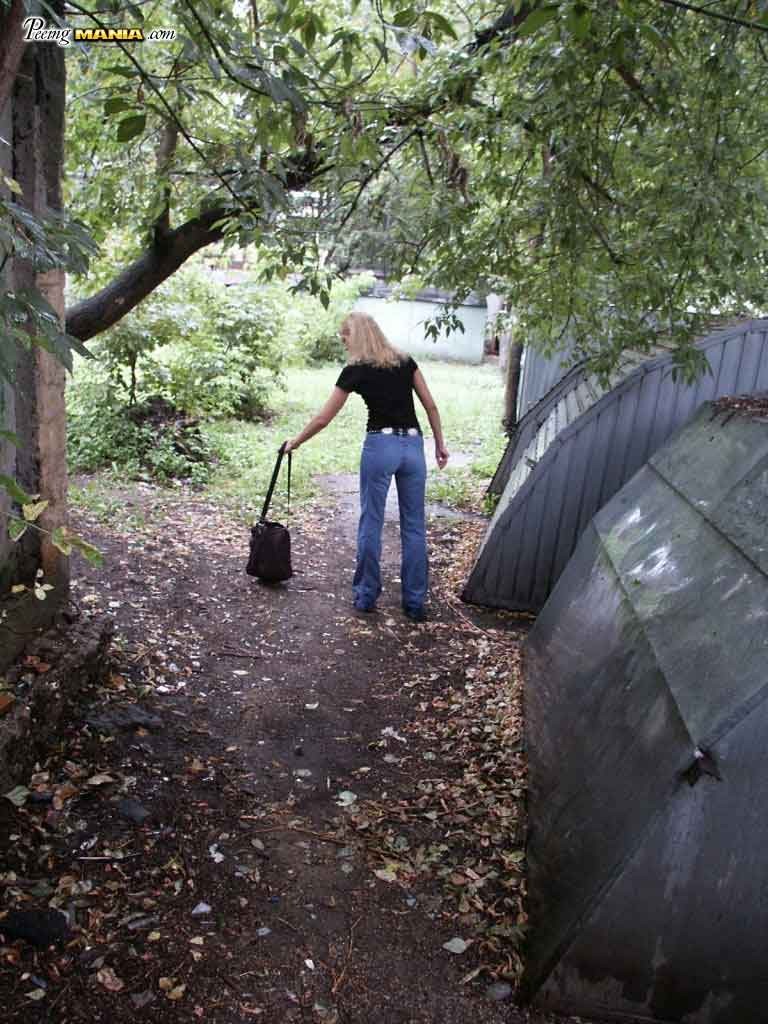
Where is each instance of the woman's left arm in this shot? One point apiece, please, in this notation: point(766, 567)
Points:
point(321, 420)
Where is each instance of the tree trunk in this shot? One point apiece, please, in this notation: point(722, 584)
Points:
point(37, 138)
point(512, 385)
point(11, 47)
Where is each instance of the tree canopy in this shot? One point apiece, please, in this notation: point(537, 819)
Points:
point(601, 163)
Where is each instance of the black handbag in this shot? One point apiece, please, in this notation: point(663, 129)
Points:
point(270, 554)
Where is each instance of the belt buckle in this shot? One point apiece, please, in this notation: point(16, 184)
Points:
point(387, 430)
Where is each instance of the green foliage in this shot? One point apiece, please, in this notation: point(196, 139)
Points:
point(105, 433)
point(600, 166)
point(311, 328)
point(208, 349)
point(46, 243)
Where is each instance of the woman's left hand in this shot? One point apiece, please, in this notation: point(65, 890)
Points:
point(290, 446)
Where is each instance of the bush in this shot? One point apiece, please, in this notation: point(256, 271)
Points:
point(147, 441)
point(311, 332)
point(208, 349)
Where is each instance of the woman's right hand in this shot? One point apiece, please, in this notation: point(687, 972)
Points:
point(441, 455)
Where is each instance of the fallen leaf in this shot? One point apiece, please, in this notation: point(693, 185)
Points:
point(99, 780)
point(456, 945)
point(17, 795)
point(107, 977)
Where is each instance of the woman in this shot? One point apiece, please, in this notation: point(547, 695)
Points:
point(385, 379)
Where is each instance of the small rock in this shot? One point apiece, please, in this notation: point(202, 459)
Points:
point(40, 928)
point(263, 932)
point(200, 909)
point(133, 811)
point(499, 991)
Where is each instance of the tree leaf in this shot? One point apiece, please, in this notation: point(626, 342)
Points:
point(579, 21)
point(536, 19)
point(18, 795)
point(116, 104)
point(33, 510)
point(405, 17)
point(441, 22)
point(456, 945)
point(17, 493)
point(130, 127)
point(16, 529)
point(60, 540)
point(13, 185)
point(88, 551)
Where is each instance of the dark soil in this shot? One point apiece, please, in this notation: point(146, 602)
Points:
point(192, 823)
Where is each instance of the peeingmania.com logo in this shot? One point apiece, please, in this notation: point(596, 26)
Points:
point(37, 31)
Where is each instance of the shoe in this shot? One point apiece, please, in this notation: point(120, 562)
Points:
point(367, 608)
point(415, 614)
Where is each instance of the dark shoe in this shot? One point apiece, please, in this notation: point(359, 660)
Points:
point(364, 607)
point(415, 614)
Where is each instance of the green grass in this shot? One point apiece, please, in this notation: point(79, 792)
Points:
point(470, 399)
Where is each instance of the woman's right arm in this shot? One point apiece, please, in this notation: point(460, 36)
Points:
point(433, 415)
point(321, 421)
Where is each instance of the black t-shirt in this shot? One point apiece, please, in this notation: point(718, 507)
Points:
point(386, 390)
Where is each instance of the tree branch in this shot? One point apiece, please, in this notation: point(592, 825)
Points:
point(504, 25)
point(165, 152)
point(729, 18)
point(164, 257)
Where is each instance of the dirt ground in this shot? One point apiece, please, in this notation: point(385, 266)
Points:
point(279, 809)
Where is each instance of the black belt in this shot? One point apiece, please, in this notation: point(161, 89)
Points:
point(398, 431)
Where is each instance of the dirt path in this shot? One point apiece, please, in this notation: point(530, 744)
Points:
point(330, 797)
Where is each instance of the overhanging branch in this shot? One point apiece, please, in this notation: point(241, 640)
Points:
point(164, 257)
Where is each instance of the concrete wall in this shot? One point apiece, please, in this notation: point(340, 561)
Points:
point(403, 322)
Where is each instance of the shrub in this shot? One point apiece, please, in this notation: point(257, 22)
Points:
point(145, 441)
point(311, 331)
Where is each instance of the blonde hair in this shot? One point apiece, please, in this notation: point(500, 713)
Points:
point(367, 343)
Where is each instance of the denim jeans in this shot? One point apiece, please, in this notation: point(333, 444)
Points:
point(385, 456)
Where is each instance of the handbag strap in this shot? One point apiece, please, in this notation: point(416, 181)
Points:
point(273, 481)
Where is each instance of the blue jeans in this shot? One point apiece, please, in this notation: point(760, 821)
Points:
point(385, 456)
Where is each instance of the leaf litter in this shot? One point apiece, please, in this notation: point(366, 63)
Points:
point(148, 900)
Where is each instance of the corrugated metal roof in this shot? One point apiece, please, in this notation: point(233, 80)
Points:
point(575, 390)
point(572, 462)
point(646, 715)
point(539, 374)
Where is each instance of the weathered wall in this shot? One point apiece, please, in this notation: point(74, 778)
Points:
point(403, 323)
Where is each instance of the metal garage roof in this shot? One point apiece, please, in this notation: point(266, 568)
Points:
point(646, 693)
point(582, 450)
